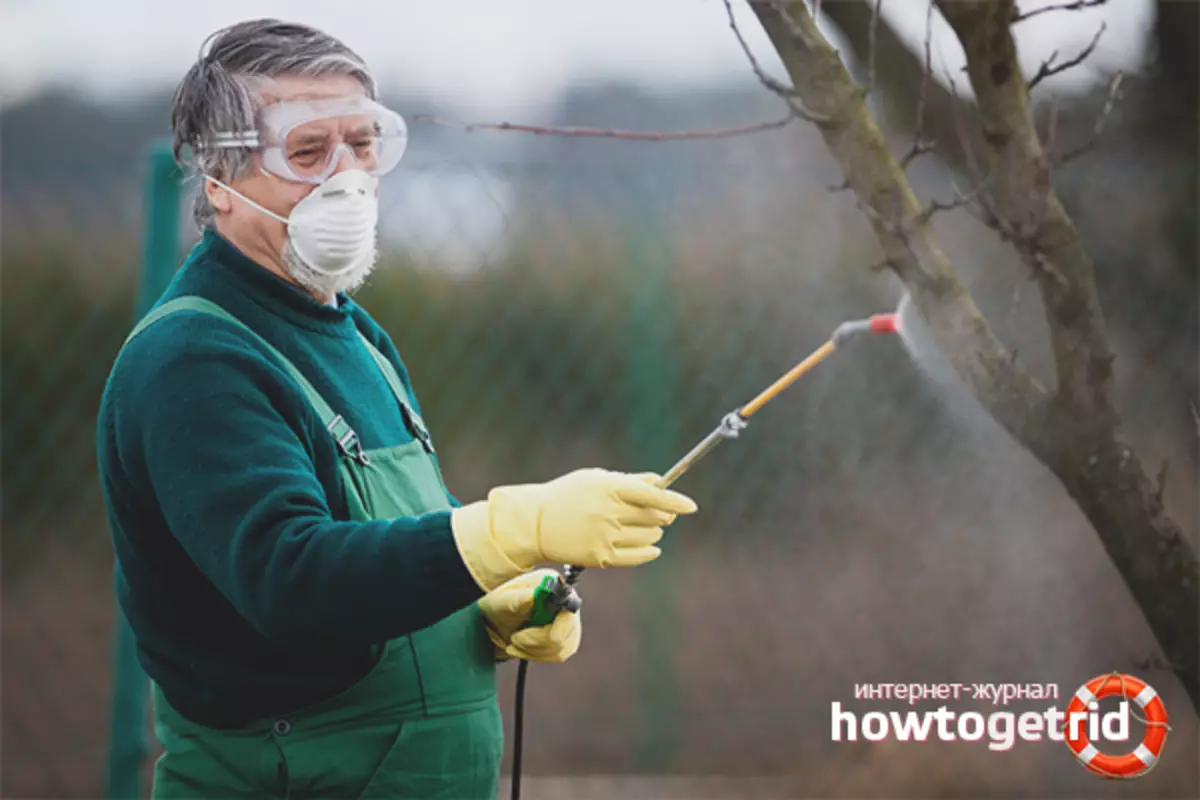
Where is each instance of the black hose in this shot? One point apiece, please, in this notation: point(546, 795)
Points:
point(519, 729)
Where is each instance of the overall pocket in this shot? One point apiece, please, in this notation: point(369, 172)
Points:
point(450, 757)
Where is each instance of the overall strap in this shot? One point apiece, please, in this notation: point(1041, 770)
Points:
point(415, 423)
point(343, 434)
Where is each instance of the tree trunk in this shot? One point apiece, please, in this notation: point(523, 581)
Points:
point(1074, 429)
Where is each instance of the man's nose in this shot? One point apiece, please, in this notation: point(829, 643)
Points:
point(345, 159)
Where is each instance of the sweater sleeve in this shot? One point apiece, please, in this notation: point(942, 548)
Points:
point(226, 444)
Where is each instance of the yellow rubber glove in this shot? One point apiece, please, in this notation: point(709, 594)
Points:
point(590, 517)
point(506, 609)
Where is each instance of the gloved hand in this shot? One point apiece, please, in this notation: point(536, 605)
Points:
point(506, 609)
point(590, 517)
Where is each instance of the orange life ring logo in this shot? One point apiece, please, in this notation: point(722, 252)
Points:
point(1079, 714)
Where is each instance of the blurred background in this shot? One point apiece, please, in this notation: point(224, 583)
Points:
point(565, 302)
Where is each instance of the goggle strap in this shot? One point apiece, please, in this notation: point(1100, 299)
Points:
point(233, 139)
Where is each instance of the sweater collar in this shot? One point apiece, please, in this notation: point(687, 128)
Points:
point(273, 293)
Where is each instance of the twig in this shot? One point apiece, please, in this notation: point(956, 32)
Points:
point(920, 143)
point(872, 32)
point(771, 83)
point(840, 187)
point(793, 26)
point(1015, 303)
point(1078, 5)
point(1046, 70)
point(778, 87)
point(1114, 94)
point(893, 223)
point(960, 127)
point(919, 148)
point(1161, 480)
point(960, 200)
point(1041, 264)
point(610, 133)
point(1052, 126)
point(1196, 419)
point(986, 213)
point(888, 225)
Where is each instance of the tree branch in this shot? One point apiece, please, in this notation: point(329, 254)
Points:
point(1114, 94)
point(611, 133)
point(1025, 203)
point(910, 250)
point(902, 83)
point(1078, 5)
point(1081, 444)
point(920, 143)
point(872, 36)
point(1161, 481)
point(960, 200)
point(786, 92)
point(1046, 70)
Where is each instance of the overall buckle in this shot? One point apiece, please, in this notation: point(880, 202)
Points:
point(347, 442)
point(417, 425)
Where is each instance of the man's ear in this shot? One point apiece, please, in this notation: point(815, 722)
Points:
point(218, 197)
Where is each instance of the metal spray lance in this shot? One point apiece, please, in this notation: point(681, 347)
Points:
point(555, 594)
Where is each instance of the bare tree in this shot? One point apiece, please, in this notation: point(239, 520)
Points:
point(1071, 427)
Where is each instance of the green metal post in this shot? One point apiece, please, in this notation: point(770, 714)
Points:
point(160, 254)
point(653, 439)
point(127, 749)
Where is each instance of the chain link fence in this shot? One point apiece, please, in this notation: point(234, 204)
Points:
point(870, 526)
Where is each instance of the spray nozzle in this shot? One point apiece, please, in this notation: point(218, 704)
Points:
point(880, 323)
point(885, 323)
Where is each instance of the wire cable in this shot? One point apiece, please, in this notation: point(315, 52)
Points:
point(519, 729)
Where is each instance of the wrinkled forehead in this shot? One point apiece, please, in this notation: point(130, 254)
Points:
point(295, 87)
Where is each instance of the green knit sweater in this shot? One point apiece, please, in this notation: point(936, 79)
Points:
point(248, 588)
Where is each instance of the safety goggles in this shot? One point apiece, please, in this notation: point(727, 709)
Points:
point(306, 140)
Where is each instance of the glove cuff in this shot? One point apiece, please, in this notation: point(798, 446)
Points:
point(485, 559)
point(514, 520)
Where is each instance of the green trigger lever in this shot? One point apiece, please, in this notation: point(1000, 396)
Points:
point(552, 595)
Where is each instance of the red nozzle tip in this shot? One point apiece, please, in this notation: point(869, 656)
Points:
point(885, 323)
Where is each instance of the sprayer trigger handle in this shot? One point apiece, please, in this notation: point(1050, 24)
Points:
point(551, 596)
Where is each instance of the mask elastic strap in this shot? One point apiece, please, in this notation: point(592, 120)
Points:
point(245, 199)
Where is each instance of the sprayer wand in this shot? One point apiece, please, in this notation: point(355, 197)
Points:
point(555, 595)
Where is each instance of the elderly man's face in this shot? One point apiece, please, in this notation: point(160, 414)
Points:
point(248, 227)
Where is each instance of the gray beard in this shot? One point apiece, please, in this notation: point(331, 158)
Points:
point(320, 283)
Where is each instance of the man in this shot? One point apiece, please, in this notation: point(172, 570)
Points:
point(318, 615)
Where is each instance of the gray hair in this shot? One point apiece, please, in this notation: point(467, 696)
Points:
point(221, 93)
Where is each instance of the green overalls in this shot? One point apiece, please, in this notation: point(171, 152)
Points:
point(424, 722)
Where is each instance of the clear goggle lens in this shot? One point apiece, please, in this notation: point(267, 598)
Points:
point(307, 140)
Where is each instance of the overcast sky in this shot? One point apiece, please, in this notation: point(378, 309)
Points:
point(486, 56)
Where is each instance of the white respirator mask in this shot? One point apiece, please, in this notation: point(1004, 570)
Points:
point(331, 233)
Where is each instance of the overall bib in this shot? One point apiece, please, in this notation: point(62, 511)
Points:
point(424, 722)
